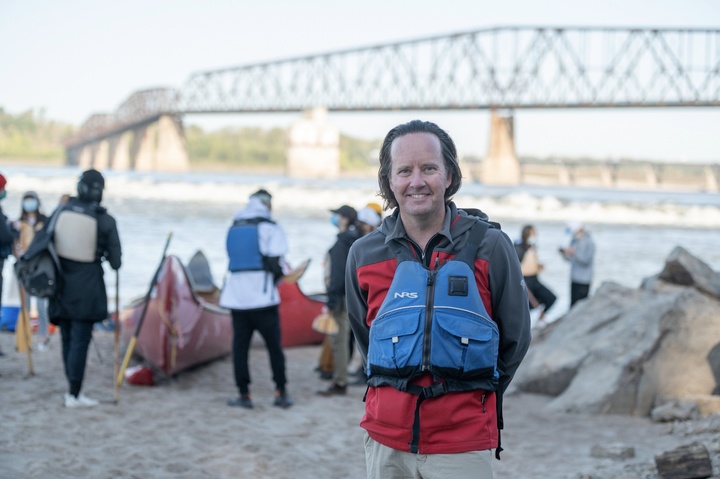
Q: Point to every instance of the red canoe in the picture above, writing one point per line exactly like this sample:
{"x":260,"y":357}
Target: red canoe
{"x":184,"y":327}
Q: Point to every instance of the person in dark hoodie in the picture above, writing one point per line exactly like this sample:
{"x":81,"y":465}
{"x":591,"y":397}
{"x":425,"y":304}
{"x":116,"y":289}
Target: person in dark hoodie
{"x":84,"y":235}
{"x":344,"y":218}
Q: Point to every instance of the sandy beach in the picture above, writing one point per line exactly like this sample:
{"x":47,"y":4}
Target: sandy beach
{"x":181,"y":428}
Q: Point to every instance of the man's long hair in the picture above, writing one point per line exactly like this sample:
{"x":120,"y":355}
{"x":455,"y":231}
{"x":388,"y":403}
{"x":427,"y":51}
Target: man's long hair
{"x":448,"y":152}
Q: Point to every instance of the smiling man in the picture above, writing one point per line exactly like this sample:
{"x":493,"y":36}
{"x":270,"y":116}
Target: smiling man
{"x":437,"y":303}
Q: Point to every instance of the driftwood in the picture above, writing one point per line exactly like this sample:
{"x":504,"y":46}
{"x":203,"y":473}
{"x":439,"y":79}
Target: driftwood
{"x":691,"y":461}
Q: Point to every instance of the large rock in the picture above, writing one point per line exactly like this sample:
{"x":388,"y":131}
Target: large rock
{"x":627,"y":350}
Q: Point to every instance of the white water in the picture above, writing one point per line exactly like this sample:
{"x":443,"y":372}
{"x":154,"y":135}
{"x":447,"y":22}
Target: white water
{"x":634,"y":230}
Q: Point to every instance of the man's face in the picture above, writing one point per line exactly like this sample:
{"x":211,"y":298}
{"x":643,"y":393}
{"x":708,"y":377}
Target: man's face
{"x":418,"y":177}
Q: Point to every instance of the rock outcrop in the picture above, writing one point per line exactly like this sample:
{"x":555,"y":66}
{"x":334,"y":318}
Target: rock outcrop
{"x":628,"y":351}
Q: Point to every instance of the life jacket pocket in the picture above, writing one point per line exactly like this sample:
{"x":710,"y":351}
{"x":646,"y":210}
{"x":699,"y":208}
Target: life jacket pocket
{"x":464,"y":345}
{"x":395,"y":345}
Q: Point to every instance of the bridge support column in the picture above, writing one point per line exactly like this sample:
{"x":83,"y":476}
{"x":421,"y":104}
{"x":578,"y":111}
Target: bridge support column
{"x":566,"y":174}
{"x":501,"y":166}
{"x":87,"y":156}
{"x":119,"y":151}
{"x":608,"y":174}
{"x":159,"y":146}
{"x":652,"y":174}
{"x":313,"y":150}
{"x":711,"y":179}
{"x":102,"y":156}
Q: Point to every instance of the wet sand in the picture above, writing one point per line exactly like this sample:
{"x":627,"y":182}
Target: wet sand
{"x":182,"y":428}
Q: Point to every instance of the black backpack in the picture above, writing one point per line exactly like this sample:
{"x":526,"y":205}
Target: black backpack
{"x":38,"y":269}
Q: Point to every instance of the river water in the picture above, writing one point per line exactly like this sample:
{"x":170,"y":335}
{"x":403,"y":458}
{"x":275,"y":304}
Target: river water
{"x":634,"y":230}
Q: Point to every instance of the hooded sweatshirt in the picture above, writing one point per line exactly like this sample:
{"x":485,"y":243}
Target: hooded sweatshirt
{"x":256,"y":289}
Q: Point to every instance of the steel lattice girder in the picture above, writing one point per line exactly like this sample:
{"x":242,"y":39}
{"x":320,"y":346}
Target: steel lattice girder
{"x":509,"y":67}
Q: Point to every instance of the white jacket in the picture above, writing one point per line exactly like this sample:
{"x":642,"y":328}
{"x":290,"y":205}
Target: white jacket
{"x":256,"y":289}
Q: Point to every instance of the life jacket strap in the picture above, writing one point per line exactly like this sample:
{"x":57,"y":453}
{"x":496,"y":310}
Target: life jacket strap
{"x":434,"y":390}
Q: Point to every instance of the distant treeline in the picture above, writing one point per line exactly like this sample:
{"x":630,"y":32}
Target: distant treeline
{"x":261,"y":147}
{"x":30,"y":135}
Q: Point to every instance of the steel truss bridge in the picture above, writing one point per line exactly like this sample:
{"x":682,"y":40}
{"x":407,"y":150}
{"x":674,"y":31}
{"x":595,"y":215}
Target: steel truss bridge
{"x":493,"y":68}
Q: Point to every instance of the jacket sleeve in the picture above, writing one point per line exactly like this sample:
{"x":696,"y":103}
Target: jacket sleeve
{"x":356,"y":304}
{"x":510,"y":307}
{"x":338,"y":256}
{"x":6,"y":231}
{"x":584,"y":251}
{"x":113,"y":253}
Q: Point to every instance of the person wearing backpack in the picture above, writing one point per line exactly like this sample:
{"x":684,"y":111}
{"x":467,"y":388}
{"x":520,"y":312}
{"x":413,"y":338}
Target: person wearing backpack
{"x":84,"y":235}
{"x":437,"y":302}
{"x":31,"y":221}
{"x":256,"y":247}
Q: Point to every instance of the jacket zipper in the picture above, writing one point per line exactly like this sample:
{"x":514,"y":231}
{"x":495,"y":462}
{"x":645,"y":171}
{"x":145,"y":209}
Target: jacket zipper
{"x":429,"y":304}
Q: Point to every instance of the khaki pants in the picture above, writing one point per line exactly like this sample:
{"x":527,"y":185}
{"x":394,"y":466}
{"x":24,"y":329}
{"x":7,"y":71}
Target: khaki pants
{"x":327,"y":364}
{"x":383,"y":462}
{"x":341,"y":347}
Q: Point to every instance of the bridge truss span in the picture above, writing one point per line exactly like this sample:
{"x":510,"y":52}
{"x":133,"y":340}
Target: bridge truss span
{"x":513,"y":67}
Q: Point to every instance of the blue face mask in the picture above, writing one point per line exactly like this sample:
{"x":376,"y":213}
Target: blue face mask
{"x":30,"y":205}
{"x":3,"y":194}
{"x":335,"y":220}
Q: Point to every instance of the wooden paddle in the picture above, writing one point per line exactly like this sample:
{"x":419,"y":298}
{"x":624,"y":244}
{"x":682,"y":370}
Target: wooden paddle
{"x":23,"y":332}
{"x":294,"y":275}
{"x":131,"y":346}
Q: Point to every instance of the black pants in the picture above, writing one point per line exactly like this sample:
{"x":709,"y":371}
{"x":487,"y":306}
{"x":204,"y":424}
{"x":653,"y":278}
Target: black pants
{"x":543,"y":295}
{"x":267,"y":322}
{"x":76,"y":337}
{"x":2,"y":264}
{"x":578,"y":291}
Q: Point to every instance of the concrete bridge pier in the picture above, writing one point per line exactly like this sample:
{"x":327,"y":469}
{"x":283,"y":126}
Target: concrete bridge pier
{"x":501,"y":166}
{"x":159,"y":146}
{"x":712,"y":182}
{"x":87,"y":156}
{"x":313,"y":147}
{"x":566,"y":174}
{"x":119,"y":151}
{"x":609,"y":174}
{"x":653,"y":174}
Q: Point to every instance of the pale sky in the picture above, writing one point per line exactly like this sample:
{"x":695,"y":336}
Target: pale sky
{"x":78,"y":57}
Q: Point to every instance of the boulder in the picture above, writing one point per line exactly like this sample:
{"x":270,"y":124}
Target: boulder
{"x":627,"y":351}
{"x":682,"y":268}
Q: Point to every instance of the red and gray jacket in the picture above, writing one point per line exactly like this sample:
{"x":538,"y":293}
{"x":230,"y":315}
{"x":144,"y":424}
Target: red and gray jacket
{"x":424,"y":414}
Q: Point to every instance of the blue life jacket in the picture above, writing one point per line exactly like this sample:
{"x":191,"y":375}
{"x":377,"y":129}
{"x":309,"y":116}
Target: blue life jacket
{"x":434,"y":321}
{"x":243,"y":245}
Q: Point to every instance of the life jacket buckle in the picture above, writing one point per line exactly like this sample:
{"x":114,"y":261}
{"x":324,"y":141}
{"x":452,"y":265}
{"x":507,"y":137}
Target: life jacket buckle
{"x":435,"y":390}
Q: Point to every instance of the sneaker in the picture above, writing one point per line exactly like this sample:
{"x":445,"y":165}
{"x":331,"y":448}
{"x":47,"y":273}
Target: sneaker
{"x":334,"y":390}
{"x":244,"y":400}
{"x":282,"y":400}
{"x":326,"y":375}
{"x":80,"y":401}
{"x":42,"y":346}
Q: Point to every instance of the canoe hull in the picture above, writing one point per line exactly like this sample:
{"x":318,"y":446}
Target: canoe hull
{"x":182,"y":329}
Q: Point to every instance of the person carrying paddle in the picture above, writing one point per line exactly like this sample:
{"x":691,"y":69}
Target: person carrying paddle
{"x":438,"y":306}
{"x":84,"y":235}
{"x":256,"y":247}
